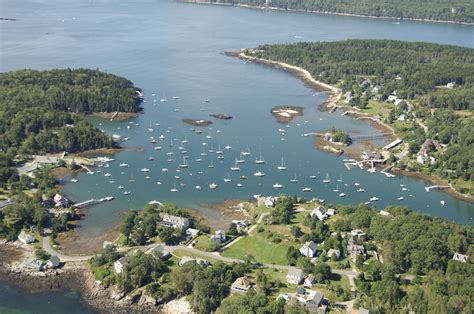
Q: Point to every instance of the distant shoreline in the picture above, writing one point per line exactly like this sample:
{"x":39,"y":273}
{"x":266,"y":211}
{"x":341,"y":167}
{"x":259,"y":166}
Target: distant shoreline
{"x":327,"y":12}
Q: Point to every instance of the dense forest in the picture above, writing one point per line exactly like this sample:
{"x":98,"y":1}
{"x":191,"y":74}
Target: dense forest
{"x":417,"y":73}
{"x":447,"y":10}
{"x":37,"y":111}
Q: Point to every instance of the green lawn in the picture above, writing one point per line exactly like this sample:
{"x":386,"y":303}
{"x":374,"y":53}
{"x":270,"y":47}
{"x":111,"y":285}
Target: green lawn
{"x":203,"y":242}
{"x":262,"y":249}
{"x":378,"y":108}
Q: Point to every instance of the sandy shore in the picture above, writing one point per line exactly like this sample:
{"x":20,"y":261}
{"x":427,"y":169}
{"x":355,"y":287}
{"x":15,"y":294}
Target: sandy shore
{"x":266,"y":7}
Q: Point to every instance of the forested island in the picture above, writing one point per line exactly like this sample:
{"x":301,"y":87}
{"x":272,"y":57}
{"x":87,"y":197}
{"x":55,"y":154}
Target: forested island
{"x":425,"y":92}
{"x":458,"y":11}
{"x":39,"y":112}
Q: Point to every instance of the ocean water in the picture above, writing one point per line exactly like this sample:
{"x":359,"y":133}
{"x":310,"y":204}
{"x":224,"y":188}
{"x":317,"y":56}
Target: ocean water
{"x":175,"y":49}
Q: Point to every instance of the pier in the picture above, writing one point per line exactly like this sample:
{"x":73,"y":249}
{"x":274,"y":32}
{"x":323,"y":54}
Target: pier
{"x":92,"y":201}
{"x":439,"y":187}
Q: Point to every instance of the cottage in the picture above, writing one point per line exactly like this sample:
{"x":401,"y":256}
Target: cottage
{"x":219,"y":236}
{"x":241,"y":285}
{"x":192,"y":233}
{"x":159,"y":251}
{"x":121,"y":264}
{"x":354,"y":250}
{"x":311,"y":300}
{"x":294,"y":276}
{"x":460,"y":257}
{"x":53,"y":262}
{"x":333,"y":252}
{"x":308,"y":249}
{"x":320,"y":213}
{"x":241,"y":225}
{"x":371,"y":156}
{"x":270,"y":201}
{"x":330,"y":212}
{"x":308,"y":282}
{"x":25,"y":238}
{"x":175,"y":221}
{"x":450,"y":85}
{"x":359,"y":234}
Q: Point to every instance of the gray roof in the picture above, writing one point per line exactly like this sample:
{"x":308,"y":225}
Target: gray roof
{"x":309,"y":244}
{"x":124,"y":260}
{"x":318,"y":298}
{"x":54,"y":260}
{"x":295,"y":272}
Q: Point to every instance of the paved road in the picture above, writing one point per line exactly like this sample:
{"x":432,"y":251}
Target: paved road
{"x":63,"y":258}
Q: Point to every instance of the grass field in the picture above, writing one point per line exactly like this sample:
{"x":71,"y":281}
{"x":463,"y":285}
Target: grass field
{"x":378,"y":108}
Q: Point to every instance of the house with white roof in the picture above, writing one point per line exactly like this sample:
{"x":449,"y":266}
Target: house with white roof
{"x":294,"y":276}
{"x":121,"y":264}
{"x":460,"y":257}
{"x":25,"y":238}
{"x":308,"y":249}
{"x":333,"y":252}
{"x":175,"y":221}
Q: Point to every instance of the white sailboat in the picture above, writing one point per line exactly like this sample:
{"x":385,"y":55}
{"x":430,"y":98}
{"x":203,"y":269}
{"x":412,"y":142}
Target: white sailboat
{"x":227,"y":179}
{"x":340,"y":178}
{"x":277,"y":186}
{"x":282,"y":165}
{"x":337,"y":188}
{"x":259,"y":174}
{"x":327,"y":180}
{"x":246,"y":152}
{"x":260,"y":160}
{"x":184,"y":164}
{"x":306,"y":189}
{"x":211,"y":165}
{"x":294,"y":180}
{"x":235,"y":167}
{"x":213,"y":186}
{"x":174,"y":189}
{"x":241,"y":160}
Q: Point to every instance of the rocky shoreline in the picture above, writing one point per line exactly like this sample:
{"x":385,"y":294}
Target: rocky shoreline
{"x":286,"y":114}
{"x":199,"y":122}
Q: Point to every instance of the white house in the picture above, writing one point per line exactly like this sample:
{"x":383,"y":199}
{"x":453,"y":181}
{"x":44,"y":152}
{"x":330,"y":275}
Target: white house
{"x":53,"y":262}
{"x":270,"y":201}
{"x":25,"y":238}
{"x":121,"y":263}
{"x":332,"y":252}
{"x":192,"y":233}
{"x":160,"y":251}
{"x":294,"y":276}
{"x":308,"y":282}
{"x":319,"y":212}
{"x":219,"y":236}
{"x":450,"y":85}
{"x":460,"y":257}
{"x":358,"y":233}
{"x":175,"y":221}
{"x":308,"y":249}
{"x":330,"y":212}
{"x":311,"y":300}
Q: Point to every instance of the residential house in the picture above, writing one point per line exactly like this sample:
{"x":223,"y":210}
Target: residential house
{"x":308,"y":282}
{"x":308,"y":249}
{"x":159,"y":251}
{"x":270,"y":201}
{"x":460,"y":257}
{"x":311,"y":300}
{"x":320,"y":213}
{"x":241,"y":285}
{"x":333,"y":252}
{"x":25,"y":238}
{"x":175,"y":221}
{"x":371,"y":156}
{"x":192,"y":233}
{"x":61,"y":201}
{"x":330,"y":211}
{"x":219,"y":236}
{"x":294,"y":276}
{"x":402,"y":117}
{"x":241,"y":225}
{"x":121,"y":264}
{"x":187,"y":259}
{"x":354,"y":250}
{"x":450,"y":85}
{"x":348,"y":97}
{"x":359,"y":234}
{"x":53,"y":262}
{"x":424,"y":159}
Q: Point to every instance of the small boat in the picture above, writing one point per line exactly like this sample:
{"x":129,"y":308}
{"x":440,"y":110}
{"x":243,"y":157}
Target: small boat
{"x":241,"y":160}
{"x":337,"y":188}
{"x":184,"y":164}
{"x":367,"y":203}
{"x":198,"y":160}
{"x":404,"y":189}
{"x":213,"y":186}
{"x":340,"y":178}
{"x":260,"y":160}
{"x":277,"y":186}
{"x":177,"y":177}
{"x":360,"y":190}
{"x":228,"y":147}
{"x":219,"y":151}
{"x":374,"y":199}
{"x":170,"y":153}
{"x":342,"y":194}
{"x":243,"y":177}
{"x":170,"y":160}
{"x":107,"y":175}
{"x":220,"y":157}
{"x":175,"y":97}
{"x":174,"y":189}
{"x":357,"y":184}
{"x":108,"y":198}
{"x":158,"y":182}
{"x":161,"y":137}
{"x":282,"y":165}
{"x":259,"y":174}
{"x":153,"y":141}
{"x":164,"y":169}
{"x":197,"y":187}
{"x":148,"y":177}
{"x":401,"y":198}
{"x":211,"y":165}
{"x":151,"y":158}
{"x":313,"y":177}
{"x":235,"y":167}
{"x":127,"y":193}
{"x":74,"y":180}
{"x":294,"y":180}
{"x":239,"y":185}
{"x":227,"y":179}
{"x":120,"y":187}
{"x":442,"y":202}
{"x":123,"y":165}
{"x":145,"y":170}
{"x":246,"y":152}
{"x":327,"y":180}
{"x":306,"y":190}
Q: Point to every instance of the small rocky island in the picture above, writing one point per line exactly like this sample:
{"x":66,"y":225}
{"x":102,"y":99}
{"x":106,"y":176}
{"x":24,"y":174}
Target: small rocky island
{"x":221,"y":116}
{"x":285,"y":114}
{"x":331,"y":141}
{"x":197,"y":122}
